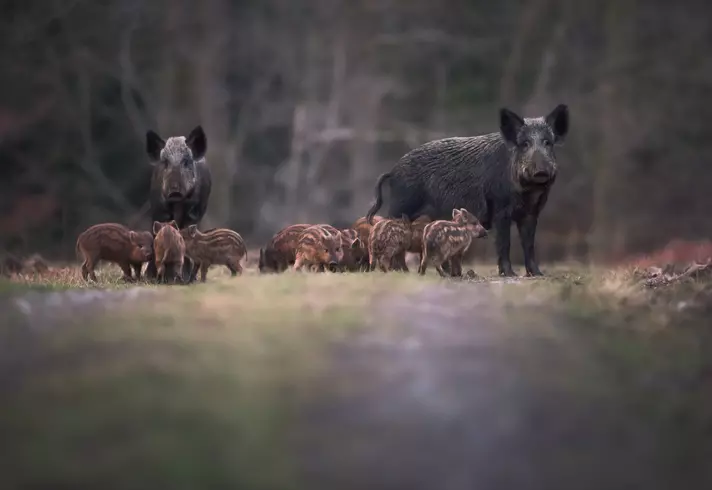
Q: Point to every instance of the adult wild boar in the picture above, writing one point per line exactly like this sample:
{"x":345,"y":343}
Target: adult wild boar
{"x":180,"y":184}
{"x":500,"y":177}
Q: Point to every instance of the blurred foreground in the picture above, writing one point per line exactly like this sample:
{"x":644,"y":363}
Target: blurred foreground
{"x":585,"y":379}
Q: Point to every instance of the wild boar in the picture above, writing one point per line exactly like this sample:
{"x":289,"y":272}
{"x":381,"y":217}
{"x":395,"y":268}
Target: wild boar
{"x":169,"y":250}
{"x":445,"y":241}
{"x":281,"y":251}
{"x":363,"y":228}
{"x":354,"y":254}
{"x":387,"y":243}
{"x":348,"y":244}
{"x":416,"y":242}
{"x":113,"y":242}
{"x":218,"y":246}
{"x":500,"y":177}
{"x":318,"y":249}
{"x":180,"y":183}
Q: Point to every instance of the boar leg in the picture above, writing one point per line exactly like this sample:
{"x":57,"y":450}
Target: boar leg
{"x":527,"y":232}
{"x":151,"y":272}
{"x":160,"y":271}
{"x":88,"y":269}
{"x":179,"y":272}
{"x":203,"y":271}
{"x":234,"y":266}
{"x":503,"y":227}
{"x":194,"y":271}
{"x":423,"y":264}
{"x":137,"y":269}
{"x":126,"y":268}
{"x":456,"y":265}
{"x":399,"y":262}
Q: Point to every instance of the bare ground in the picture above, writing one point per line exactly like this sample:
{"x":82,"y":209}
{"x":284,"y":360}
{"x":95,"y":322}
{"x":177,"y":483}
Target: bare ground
{"x":357,"y":382}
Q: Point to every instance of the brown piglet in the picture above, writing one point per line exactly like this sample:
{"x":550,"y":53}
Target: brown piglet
{"x":281,"y":251}
{"x":113,"y":242}
{"x":219,"y":246}
{"x":355,"y":256}
{"x":388,"y":242}
{"x":169,"y":249}
{"x":318,"y":249}
{"x":363,"y":228}
{"x":448,"y":240}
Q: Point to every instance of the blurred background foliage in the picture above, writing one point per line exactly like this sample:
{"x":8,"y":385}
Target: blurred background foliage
{"x":306,"y":102}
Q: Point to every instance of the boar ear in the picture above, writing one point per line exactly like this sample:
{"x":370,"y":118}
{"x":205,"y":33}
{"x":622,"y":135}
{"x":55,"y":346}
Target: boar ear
{"x":174,"y":224}
{"x":197,"y":142}
{"x":157,"y":227}
{"x":154,"y":145}
{"x":558,"y":119}
{"x":510,"y":124}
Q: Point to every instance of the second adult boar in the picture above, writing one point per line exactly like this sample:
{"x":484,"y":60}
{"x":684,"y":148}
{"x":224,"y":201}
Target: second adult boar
{"x":180,"y":183}
{"x":501,"y":177}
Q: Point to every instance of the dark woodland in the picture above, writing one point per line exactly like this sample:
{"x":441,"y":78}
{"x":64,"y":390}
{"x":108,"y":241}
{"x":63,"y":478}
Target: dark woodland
{"x":305,"y":104}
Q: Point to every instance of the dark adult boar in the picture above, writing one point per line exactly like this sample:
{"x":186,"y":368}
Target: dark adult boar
{"x":500,"y":177}
{"x":180,"y":184}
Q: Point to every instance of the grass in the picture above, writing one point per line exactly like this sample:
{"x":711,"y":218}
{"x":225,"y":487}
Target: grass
{"x":190,"y":387}
{"x":200,"y":386}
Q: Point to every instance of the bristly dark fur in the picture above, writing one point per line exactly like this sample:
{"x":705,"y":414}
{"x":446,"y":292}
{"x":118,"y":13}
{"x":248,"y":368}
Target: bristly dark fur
{"x":180,"y":183}
{"x":500,"y":177}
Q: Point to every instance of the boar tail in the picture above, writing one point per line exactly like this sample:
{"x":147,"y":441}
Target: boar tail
{"x":379,"y":198}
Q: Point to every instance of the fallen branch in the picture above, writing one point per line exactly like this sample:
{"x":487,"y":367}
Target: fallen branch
{"x":656,"y":276}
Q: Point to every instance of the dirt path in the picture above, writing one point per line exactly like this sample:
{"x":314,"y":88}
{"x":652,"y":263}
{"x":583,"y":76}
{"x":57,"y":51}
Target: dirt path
{"x":451,"y":399}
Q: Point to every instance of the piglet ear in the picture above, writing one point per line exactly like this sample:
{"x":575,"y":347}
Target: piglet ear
{"x":455,"y":213}
{"x":132,"y":236}
{"x":197,"y":142}
{"x":157,"y":227}
{"x":192,"y":230}
{"x":154,"y":146}
{"x":174,"y":224}
{"x":356,"y":243}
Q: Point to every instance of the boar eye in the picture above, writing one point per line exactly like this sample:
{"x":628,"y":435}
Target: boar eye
{"x":186,"y":163}
{"x":547,"y":143}
{"x":526,"y":145}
